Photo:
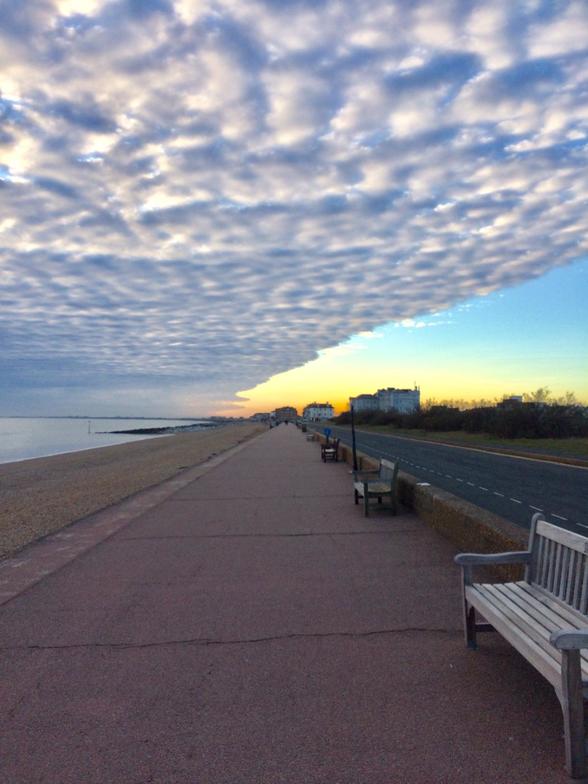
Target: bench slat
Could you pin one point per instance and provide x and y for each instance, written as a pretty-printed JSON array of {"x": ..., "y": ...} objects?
[
  {"x": 575, "y": 599},
  {"x": 493, "y": 611},
  {"x": 568, "y": 614},
  {"x": 584, "y": 597},
  {"x": 375, "y": 488},
  {"x": 563, "y": 536},
  {"x": 552, "y": 619},
  {"x": 545, "y": 617},
  {"x": 537, "y": 628},
  {"x": 529, "y": 615}
]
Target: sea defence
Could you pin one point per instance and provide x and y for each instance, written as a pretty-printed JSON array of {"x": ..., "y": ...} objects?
[
  {"x": 44, "y": 494},
  {"x": 254, "y": 626}
]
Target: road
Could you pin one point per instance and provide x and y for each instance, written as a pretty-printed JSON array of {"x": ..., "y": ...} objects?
[{"x": 512, "y": 487}]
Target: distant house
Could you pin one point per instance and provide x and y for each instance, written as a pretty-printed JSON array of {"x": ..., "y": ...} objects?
[
  {"x": 315, "y": 412},
  {"x": 260, "y": 417},
  {"x": 285, "y": 414}
]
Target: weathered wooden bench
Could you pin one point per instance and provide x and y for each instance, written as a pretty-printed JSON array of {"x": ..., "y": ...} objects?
[
  {"x": 544, "y": 617},
  {"x": 378, "y": 484},
  {"x": 330, "y": 451}
]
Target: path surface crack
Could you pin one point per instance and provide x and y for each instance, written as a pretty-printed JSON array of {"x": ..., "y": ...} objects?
[
  {"x": 205, "y": 642},
  {"x": 260, "y": 536}
]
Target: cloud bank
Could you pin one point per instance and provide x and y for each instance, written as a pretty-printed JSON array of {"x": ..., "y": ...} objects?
[{"x": 197, "y": 194}]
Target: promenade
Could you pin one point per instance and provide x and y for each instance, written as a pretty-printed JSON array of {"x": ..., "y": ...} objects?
[{"x": 252, "y": 627}]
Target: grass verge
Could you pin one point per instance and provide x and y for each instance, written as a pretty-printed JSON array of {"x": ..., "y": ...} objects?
[{"x": 556, "y": 447}]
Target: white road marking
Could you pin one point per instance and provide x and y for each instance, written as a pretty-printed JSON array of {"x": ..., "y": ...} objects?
[
  {"x": 449, "y": 476},
  {"x": 498, "y": 494},
  {"x": 536, "y": 508},
  {"x": 483, "y": 488},
  {"x": 582, "y": 525},
  {"x": 559, "y": 517},
  {"x": 471, "y": 484},
  {"x": 553, "y": 461},
  {"x": 516, "y": 500},
  {"x": 458, "y": 479}
]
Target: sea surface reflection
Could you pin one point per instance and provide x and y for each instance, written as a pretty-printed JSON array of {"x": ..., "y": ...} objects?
[{"x": 23, "y": 438}]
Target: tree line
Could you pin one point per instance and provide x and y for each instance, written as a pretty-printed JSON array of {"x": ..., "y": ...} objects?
[{"x": 538, "y": 415}]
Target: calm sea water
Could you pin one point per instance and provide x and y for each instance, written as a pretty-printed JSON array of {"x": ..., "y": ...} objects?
[{"x": 21, "y": 439}]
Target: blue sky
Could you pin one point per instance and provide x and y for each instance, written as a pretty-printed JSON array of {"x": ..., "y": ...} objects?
[
  {"x": 198, "y": 196},
  {"x": 515, "y": 341}
]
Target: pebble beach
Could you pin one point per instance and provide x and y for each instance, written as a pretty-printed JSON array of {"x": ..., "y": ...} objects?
[{"x": 42, "y": 495}]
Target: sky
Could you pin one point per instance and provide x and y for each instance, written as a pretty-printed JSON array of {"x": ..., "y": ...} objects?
[
  {"x": 481, "y": 349},
  {"x": 216, "y": 206}
]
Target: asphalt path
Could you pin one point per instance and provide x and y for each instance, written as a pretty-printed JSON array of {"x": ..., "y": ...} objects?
[{"x": 512, "y": 487}]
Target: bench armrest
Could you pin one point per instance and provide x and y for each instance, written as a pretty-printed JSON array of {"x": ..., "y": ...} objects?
[
  {"x": 490, "y": 559},
  {"x": 569, "y": 640}
]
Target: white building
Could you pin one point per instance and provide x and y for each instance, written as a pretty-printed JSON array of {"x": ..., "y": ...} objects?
[
  {"x": 364, "y": 403},
  {"x": 405, "y": 401},
  {"x": 315, "y": 412}
]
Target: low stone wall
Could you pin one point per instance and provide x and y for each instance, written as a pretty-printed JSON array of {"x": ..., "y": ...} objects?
[{"x": 469, "y": 527}]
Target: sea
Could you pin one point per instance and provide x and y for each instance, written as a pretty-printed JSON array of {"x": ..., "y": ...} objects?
[{"x": 23, "y": 438}]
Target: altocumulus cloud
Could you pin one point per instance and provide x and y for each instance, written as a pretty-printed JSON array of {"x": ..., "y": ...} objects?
[{"x": 200, "y": 193}]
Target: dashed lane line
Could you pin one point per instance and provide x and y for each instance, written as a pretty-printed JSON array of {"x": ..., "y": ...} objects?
[{"x": 480, "y": 487}]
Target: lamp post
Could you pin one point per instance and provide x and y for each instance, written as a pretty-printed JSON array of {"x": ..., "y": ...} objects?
[{"x": 353, "y": 437}]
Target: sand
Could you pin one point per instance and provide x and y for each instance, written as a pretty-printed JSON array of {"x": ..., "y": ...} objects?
[{"x": 42, "y": 495}]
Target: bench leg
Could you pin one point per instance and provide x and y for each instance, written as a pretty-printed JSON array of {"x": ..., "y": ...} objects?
[
  {"x": 470, "y": 625},
  {"x": 366, "y": 505},
  {"x": 572, "y": 703},
  {"x": 356, "y": 496}
]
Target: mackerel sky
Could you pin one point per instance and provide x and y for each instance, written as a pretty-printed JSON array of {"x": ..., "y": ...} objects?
[{"x": 199, "y": 195}]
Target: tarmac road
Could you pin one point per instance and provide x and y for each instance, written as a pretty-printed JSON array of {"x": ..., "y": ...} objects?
[{"x": 512, "y": 487}]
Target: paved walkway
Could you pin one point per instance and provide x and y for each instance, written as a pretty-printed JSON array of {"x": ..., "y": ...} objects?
[{"x": 254, "y": 628}]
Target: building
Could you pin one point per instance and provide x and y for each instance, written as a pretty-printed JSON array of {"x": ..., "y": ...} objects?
[
  {"x": 512, "y": 401},
  {"x": 260, "y": 417},
  {"x": 285, "y": 414},
  {"x": 363, "y": 403},
  {"x": 405, "y": 401},
  {"x": 315, "y": 412}
]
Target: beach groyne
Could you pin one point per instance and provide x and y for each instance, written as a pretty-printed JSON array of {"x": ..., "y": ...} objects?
[{"x": 43, "y": 495}]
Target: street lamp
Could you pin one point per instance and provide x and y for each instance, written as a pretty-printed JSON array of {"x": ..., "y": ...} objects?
[{"x": 355, "y": 468}]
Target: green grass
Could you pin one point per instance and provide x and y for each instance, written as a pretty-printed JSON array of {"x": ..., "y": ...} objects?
[{"x": 560, "y": 447}]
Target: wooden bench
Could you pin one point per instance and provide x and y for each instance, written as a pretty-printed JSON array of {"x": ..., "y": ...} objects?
[
  {"x": 330, "y": 451},
  {"x": 544, "y": 617},
  {"x": 376, "y": 484}
]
